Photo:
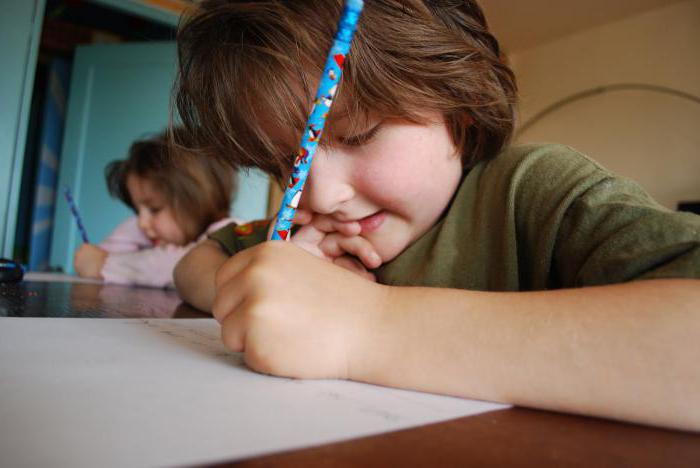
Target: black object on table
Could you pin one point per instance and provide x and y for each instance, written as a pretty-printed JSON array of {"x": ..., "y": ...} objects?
[{"x": 10, "y": 271}]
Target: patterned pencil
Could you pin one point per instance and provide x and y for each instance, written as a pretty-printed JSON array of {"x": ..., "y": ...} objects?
[
  {"x": 76, "y": 215},
  {"x": 327, "y": 87}
]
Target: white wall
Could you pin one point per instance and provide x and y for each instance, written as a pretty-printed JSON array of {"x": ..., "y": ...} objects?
[{"x": 651, "y": 137}]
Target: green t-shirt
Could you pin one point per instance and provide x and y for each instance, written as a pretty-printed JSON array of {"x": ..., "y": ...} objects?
[{"x": 537, "y": 217}]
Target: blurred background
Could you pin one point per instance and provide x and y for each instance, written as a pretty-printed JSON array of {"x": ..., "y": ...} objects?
[{"x": 619, "y": 81}]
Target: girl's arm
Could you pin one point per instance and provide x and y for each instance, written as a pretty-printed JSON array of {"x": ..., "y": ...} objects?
[
  {"x": 89, "y": 259},
  {"x": 146, "y": 267},
  {"x": 626, "y": 351},
  {"x": 194, "y": 275}
]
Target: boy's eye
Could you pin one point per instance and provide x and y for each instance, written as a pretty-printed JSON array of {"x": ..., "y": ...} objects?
[{"x": 362, "y": 138}]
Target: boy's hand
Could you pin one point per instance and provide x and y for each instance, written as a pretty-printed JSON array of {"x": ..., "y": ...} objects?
[
  {"x": 336, "y": 241},
  {"x": 293, "y": 314},
  {"x": 89, "y": 260}
]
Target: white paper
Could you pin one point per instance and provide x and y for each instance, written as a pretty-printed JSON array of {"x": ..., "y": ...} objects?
[
  {"x": 77, "y": 392},
  {"x": 58, "y": 277}
]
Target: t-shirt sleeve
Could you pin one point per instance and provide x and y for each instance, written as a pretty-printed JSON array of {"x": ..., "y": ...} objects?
[
  {"x": 587, "y": 226},
  {"x": 615, "y": 232},
  {"x": 234, "y": 238}
]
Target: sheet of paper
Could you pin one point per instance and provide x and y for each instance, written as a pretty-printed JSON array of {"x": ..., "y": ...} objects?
[
  {"x": 159, "y": 392},
  {"x": 58, "y": 277}
]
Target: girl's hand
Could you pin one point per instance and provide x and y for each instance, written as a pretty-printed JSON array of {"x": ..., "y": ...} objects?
[
  {"x": 89, "y": 260},
  {"x": 293, "y": 314}
]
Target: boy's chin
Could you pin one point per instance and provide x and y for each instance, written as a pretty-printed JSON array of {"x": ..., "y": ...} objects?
[{"x": 390, "y": 240}]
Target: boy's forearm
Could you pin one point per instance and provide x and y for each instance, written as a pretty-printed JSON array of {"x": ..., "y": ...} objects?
[
  {"x": 626, "y": 351},
  {"x": 195, "y": 275}
]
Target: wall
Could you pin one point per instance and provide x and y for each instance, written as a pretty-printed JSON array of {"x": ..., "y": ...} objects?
[
  {"x": 20, "y": 23},
  {"x": 649, "y": 136}
]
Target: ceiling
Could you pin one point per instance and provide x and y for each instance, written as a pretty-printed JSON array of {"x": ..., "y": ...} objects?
[{"x": 520, "y": 24}]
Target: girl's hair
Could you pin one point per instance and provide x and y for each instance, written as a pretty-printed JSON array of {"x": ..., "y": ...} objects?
[
  {"x": 248, "y": 66},
  {"x": 198, "y": 190}
]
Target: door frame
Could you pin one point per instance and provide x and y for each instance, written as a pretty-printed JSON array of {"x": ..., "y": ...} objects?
[{"x": 21, "y": 24}]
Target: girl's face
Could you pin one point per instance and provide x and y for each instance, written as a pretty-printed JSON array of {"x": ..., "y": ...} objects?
[
  {"x": 155, "y": 216},
  {"x": 395, "y": 177}
]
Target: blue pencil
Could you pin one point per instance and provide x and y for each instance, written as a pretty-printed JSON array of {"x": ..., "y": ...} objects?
[
  {"x": 327, "y": 88},
  {"x": 76, "y": 215}
]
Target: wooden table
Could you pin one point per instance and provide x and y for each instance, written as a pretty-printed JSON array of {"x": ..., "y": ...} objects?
[
  {"x": 513, "y": 437},
  {"x": 507, "y": 438}
]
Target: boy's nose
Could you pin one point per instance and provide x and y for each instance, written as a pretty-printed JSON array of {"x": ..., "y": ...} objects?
[{"x": 327, "y": 187}]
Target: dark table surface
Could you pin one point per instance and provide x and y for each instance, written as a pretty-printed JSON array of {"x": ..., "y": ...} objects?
[
  {"x": 511, "y": 437},
  {"x": 90, "y": 299}
]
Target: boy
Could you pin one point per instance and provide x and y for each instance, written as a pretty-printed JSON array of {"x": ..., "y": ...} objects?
[{"x": 503, "y": 273}]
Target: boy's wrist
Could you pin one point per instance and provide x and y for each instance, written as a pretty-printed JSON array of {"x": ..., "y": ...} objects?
[{"x": 370, "y": 336}]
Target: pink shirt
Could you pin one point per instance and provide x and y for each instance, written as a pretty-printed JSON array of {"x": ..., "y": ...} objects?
[{"x": 134, "y": 260}]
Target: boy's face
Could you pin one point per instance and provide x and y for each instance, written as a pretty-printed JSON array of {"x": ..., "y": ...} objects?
[
  {"x": 155, "y": 216},
  {"x": 395, "y": 177}
]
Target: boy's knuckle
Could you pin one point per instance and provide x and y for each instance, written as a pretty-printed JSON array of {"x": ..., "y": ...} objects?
[
  {"x": 222, "y": 274},
  {"x": 229, "y": 339},
  {"x": 263, "y": 361},
  {"x": 219, "y": 310},
  {"x": 271, "y": 248},
  {"x": 254, "y": 278}
]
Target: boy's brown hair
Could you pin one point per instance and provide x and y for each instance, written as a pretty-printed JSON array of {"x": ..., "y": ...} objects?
[
  {"x": 248, "y": 66},
  {"x": 198, "y": 190}
]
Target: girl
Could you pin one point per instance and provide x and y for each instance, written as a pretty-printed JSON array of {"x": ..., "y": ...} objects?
[
  {"x": 177, "y": 199},
  {"x": 522, "y": 274}
]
